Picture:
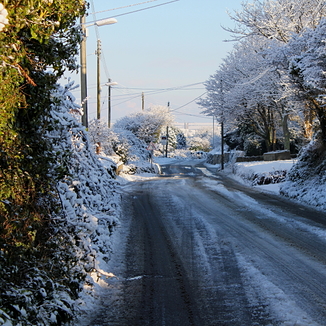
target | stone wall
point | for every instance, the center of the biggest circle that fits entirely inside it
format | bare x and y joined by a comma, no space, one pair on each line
270,156
276,156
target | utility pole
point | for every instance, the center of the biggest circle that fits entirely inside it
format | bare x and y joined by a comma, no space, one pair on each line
167,134
142,101
213,134
167,141
83,73
98,53
222,127
109,103
222,145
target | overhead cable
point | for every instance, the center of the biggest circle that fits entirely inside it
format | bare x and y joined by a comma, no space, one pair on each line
135,4
189,102
98,38
131,12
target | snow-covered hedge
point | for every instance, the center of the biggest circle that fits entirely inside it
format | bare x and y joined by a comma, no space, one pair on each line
117,142
307,178
128,146
55,279
88,193
262,173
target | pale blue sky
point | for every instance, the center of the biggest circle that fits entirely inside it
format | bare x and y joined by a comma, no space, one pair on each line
168,46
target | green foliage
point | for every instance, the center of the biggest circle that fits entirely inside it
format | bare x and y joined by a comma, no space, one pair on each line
41,35
172,139
181,140
36,47
254,145
311,162
42,289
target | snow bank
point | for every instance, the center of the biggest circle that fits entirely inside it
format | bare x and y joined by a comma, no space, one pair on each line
88,192
54,289
306,180
295,179
263,173
311,191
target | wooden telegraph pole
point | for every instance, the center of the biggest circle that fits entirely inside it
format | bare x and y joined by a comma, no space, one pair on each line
98,53
222,127
142,101
83,74
109,103
167,134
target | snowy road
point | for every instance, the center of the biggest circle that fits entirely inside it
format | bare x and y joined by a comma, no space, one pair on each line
202,250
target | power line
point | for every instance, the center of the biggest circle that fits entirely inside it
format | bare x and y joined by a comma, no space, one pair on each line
94,17
193,115
128,97
154,91
135,4
169,88
150,91
127,100
132,12
189,102
98,37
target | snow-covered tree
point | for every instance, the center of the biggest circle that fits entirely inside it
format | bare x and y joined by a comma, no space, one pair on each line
276,19
181,140
99,134
146,125
126,140
197,143
200,140
173,133
294,31
282,21
307,53
246,89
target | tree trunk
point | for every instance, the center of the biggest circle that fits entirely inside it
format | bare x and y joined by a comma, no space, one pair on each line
273,138
286,131
322,121
321,115
308,117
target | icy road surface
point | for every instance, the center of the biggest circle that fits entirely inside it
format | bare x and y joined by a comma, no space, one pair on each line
197,249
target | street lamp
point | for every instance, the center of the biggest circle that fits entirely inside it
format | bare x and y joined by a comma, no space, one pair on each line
107,21
109,84
83,74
